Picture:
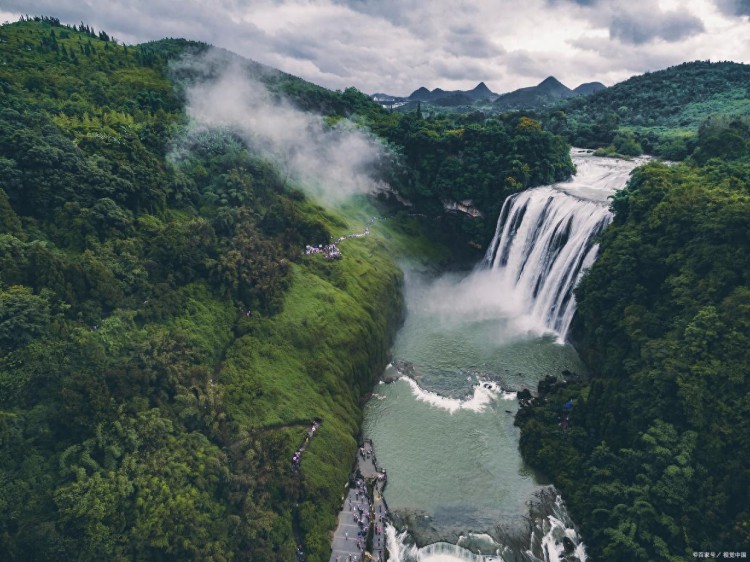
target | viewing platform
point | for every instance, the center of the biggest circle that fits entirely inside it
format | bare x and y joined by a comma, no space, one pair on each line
360,533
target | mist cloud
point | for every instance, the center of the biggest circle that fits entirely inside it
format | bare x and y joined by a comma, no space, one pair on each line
456,301
329,162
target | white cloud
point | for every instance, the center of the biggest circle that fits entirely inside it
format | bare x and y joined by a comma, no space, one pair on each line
329,162
399,45
8,17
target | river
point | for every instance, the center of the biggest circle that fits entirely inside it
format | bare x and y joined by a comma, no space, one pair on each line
443,425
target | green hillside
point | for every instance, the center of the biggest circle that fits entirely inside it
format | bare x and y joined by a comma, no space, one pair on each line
660,110
163,342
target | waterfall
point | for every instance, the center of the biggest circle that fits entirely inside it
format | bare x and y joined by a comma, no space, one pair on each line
543,246
546,238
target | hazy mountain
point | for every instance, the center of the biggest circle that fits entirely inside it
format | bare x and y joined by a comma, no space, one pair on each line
481,92
443,97
589,88
553,87
547,91
544,93
421,94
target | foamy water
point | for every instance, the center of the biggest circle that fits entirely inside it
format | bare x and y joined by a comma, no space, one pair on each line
485,392
400,551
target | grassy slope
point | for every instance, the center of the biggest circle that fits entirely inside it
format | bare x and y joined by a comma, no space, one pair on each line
320,356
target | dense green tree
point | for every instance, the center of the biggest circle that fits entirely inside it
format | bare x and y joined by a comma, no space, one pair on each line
23,316
665,111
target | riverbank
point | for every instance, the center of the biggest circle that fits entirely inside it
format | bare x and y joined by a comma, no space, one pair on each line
319,358
314,360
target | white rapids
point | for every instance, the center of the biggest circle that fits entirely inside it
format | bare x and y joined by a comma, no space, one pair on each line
546,544
546,238
483,393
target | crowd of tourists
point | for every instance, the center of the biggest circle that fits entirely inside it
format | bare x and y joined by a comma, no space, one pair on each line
360,510
331,251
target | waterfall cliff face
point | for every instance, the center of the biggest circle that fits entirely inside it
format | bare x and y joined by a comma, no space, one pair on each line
546,238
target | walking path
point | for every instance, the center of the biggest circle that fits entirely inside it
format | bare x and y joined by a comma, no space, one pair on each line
296,459
363,514
297,456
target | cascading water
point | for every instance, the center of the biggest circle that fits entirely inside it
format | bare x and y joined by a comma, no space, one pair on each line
541,248
546,238
443,427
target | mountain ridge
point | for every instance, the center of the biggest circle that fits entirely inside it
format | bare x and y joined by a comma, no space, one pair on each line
588,88
479,92
546,92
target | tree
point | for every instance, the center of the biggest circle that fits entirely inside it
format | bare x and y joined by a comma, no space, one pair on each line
24,316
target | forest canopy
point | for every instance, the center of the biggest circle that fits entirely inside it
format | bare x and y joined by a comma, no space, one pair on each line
140,299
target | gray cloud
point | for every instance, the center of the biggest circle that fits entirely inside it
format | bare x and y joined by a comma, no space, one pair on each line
602,57
579,2
329,162
642,27
399,45
468,40
734,7
530,65
407,13
460,69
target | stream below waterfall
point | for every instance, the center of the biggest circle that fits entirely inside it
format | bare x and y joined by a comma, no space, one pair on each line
443,425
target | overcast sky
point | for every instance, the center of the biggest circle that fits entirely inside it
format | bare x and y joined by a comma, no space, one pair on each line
396,46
